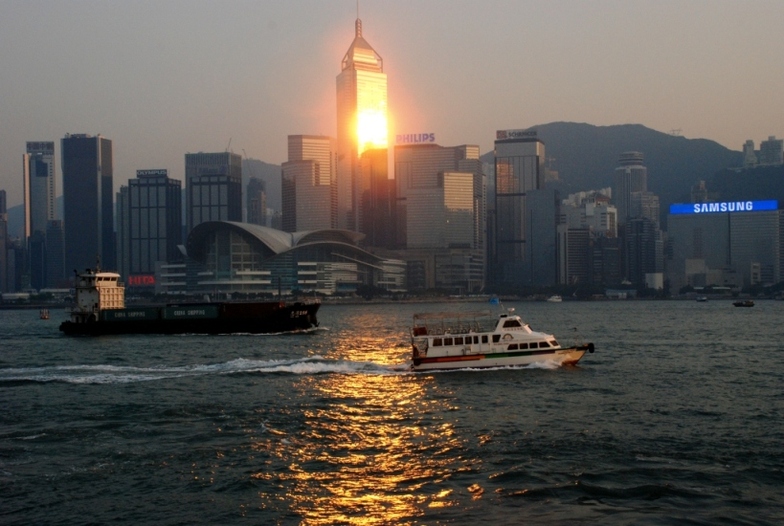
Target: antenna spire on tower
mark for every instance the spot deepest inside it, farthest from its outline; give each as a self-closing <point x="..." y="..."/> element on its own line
<point x="358" y="23"/>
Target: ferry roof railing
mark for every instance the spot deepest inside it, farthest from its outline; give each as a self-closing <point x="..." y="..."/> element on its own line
<point x="443" y="316"/>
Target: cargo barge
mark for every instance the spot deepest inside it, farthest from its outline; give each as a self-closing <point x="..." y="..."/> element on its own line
<point x="100" y="309"/>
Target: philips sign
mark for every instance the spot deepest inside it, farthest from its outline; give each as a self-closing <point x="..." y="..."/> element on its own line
<point x="724" y="207"/>
<point x="415" y="138"/>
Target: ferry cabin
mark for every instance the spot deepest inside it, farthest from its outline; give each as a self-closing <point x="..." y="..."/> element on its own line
<point x="438" y="335"/>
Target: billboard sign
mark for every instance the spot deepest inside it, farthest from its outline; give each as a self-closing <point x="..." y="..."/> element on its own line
<point x="724" y="207"/>
<point x="150" y="173"/>
<point x="140" y="280"/>
<point x="502" y="135"/>
<point x="415" y="138"/>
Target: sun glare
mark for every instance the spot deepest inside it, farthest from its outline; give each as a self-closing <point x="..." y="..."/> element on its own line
<point x="371" y="130"/>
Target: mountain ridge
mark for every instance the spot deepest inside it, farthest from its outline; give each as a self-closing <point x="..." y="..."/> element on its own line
<point x="585" y="157"/>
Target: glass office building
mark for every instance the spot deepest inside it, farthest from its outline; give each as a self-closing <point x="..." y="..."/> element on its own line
<point x="710" y="245"/>
<point x="519" y="172"/>
<point x="149" y="224"/>
<point x="88" y="202"/>
<point x="362" y="121"/>
<point x="213" y="184"/>
<point x="309" y="190"/>
<point x="440" y="213"/>
<point x="39" y="186"/>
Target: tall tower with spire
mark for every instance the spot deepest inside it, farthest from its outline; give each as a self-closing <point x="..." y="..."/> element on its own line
<point x="362" y="122"/>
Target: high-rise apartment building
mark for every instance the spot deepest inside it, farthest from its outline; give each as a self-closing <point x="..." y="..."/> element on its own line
<point x="749" y="154"/>
<point x="88" y="207"/>
<point x="597" y="258"/>
<point x="149" y="225"/>
<point x="213" y="184"/>
<point x="309" y="192"/>
<point x="362" y="122"/>
<point x="771" y="152"/>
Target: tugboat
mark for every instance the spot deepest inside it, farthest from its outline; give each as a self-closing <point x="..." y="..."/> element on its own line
<point x="743" y="303"/>
<point x="479" y="339"/>
<point x="100" y="309"/>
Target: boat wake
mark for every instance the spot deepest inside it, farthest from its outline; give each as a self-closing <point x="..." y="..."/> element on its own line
<point x="546" y="365"/>
<point x="112" y="374"/>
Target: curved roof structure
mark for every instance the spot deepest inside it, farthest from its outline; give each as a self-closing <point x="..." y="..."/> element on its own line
<point x="276" y="241"/>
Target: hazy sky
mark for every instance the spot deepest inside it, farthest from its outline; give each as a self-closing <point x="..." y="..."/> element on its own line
<point x="161" y="78"/>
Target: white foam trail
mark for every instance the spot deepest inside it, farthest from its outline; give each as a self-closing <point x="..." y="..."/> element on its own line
<point x="113" y="374"/>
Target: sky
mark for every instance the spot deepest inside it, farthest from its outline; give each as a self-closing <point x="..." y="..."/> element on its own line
<point x="162" y="78"/>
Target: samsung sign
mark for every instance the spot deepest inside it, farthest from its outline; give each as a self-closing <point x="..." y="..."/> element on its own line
<point x="723" y="207"/>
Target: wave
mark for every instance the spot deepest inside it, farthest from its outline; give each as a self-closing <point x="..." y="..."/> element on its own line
<point x="113" y="374"/>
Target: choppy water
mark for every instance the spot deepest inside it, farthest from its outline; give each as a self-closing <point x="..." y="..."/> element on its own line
<point x="677" y="418"/>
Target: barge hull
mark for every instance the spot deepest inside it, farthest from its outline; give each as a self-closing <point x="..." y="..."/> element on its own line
<point x="211" y="318"/>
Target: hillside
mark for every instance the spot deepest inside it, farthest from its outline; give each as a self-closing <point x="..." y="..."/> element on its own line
<point x="585" y="157"/>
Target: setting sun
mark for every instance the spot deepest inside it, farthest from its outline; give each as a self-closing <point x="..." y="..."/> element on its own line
<point x="371" y="130"/>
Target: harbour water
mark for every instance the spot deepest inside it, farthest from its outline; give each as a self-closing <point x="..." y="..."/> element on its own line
<point x="677" y="418"/>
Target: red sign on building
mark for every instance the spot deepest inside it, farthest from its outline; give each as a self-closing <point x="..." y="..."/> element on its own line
<point x="141" y="280"/>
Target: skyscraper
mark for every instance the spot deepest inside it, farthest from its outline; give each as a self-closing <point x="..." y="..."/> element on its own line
<point x="55" y="254"/>
<point x="440" y="215"/>
<point x="771" y="152"/>
<point x="309" y="190"/>
<point x="377" y="200"/>
<point x="213" y="184"/>
<point x="3" y="243"/>
<point x="256" y="201"/>
<point x="39" y="206"/>
<point x="88" y="211"/>
<point x="39" y="186"/>
<point x="362" y="121"/>
<point x="519" y="174"/>
<point x="630" y="176"/>
<point x="149" y="225"/>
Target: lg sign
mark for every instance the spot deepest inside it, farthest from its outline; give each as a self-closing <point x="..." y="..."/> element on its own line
<point x="141" y="280"/>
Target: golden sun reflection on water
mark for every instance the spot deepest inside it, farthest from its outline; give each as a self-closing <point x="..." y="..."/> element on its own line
<point x="370" y="451"/>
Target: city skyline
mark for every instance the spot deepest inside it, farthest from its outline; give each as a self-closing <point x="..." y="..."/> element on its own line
<point x="166" y="79"/>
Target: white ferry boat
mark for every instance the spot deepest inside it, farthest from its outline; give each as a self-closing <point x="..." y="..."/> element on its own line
<point x="480" y="339"/>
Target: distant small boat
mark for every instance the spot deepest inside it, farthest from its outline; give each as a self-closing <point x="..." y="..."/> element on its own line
<point x="555" y="299"/>
<point x="43" y="314"/>
<point x="743" y="303"/>
<point x="702" y="298"/>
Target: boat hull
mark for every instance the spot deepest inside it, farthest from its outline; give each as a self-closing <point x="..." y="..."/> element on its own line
<point x="566" y="356"/>
<point x="211" y="318"/>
